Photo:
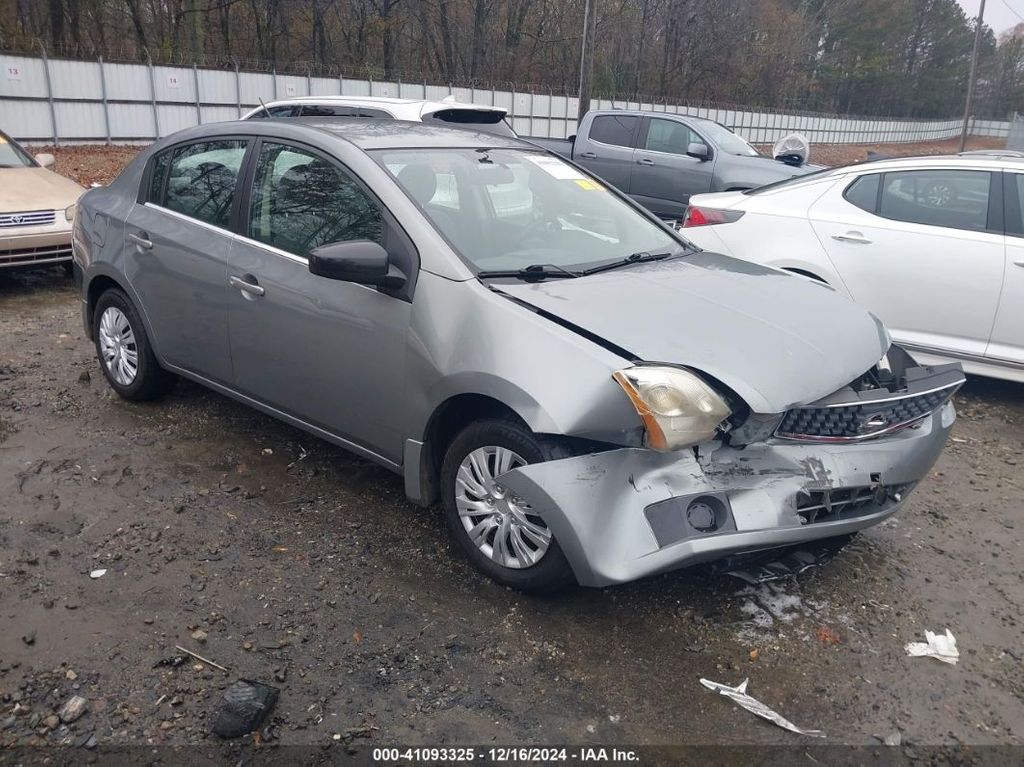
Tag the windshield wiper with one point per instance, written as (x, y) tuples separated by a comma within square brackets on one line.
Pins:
[(532, 272), (633, 258)]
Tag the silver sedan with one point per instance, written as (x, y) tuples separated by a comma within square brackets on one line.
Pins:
[(589, 397)]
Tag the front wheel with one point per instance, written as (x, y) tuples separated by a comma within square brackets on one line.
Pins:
[(498, 531)]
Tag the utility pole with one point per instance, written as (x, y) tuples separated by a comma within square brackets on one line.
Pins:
[(587, 57), (970, 80)]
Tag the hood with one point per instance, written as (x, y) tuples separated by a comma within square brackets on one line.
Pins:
[(775, 339), (24, 189)]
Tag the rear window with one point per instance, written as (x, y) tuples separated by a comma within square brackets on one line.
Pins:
[(484, 120), (798, 179), (617, 130), (864, 192), (340, 110)]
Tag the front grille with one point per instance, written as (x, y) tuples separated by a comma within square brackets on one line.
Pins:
[(835, 504), (22, 256), (862, 420), (29, 218)]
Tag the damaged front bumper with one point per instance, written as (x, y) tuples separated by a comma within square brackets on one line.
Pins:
[(628, 513)]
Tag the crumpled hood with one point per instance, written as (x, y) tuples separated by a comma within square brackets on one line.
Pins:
[(24, 189), (775, 339)]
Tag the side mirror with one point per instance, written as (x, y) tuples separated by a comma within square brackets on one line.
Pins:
[(700, 151), (46, 159), (359, 261)]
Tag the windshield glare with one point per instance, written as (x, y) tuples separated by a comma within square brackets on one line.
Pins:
[(506, 209), (12, 155), (728, 142)]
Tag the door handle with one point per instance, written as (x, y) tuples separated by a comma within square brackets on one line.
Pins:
[(645, 161), (588, 156), (140, 240), (1018, 263), (855, 238), (247, 287)]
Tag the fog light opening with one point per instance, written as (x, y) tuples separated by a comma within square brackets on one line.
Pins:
[(706, 514)]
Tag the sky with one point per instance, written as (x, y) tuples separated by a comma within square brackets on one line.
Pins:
[(999, 14)]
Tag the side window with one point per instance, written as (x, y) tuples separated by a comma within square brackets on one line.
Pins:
[(157, 177), (670, 136), (201, 180), (956, 199), (301, 201), (617, 130), (864, 192), (279, 111)]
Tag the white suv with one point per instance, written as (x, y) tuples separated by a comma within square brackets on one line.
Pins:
[(449, 112), (932, 245)]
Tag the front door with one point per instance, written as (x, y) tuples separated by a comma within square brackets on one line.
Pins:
[(922, 249), (664, 176), (177, 244), (327, 352)]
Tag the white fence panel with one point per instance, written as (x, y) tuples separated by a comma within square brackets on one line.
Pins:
[(93, 101)]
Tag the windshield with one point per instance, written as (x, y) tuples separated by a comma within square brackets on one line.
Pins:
[(507, 209), (727, 141), (12, 155)]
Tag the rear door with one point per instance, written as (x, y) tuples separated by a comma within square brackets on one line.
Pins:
[(664, 176), (922, 249), (1007, 342), (177, 244), (607, 150)]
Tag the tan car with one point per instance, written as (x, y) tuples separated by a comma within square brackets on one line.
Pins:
[(37, 207)]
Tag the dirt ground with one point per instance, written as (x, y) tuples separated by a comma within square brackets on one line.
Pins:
[(289, 561)]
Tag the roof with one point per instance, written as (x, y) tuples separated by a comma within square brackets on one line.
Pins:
[(424, 104), (985, 160), (371, 133), (653, 113)]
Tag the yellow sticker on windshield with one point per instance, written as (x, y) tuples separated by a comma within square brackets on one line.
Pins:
[(3, 140), (590, 186)]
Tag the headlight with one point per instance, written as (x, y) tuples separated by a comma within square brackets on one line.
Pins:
[(69, 211), (678, 409)]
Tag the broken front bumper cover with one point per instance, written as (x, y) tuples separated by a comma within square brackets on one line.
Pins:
[(628, 513)]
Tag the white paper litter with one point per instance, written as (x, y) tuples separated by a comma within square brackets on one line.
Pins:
[(97, 574), (739, 696), (938, 646)]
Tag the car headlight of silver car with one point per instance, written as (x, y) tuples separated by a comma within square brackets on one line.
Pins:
[(678, 409), (69, 211)]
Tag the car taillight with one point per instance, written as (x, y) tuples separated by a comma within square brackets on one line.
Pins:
[(697, 216)]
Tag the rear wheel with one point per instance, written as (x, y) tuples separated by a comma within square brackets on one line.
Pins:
[(124, 350), (498, 531)]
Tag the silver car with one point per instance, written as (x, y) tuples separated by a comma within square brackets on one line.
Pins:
[(588, 396)]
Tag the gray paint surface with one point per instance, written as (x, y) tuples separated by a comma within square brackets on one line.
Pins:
[(663, 181), (368, 371)]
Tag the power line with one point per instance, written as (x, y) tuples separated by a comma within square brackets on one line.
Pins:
[(1010, 9)]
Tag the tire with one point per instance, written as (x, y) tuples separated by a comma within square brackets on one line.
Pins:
[(550, 570), (120, 339)]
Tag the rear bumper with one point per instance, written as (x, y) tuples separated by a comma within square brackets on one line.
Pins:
[(49, 246), (625, 514)]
